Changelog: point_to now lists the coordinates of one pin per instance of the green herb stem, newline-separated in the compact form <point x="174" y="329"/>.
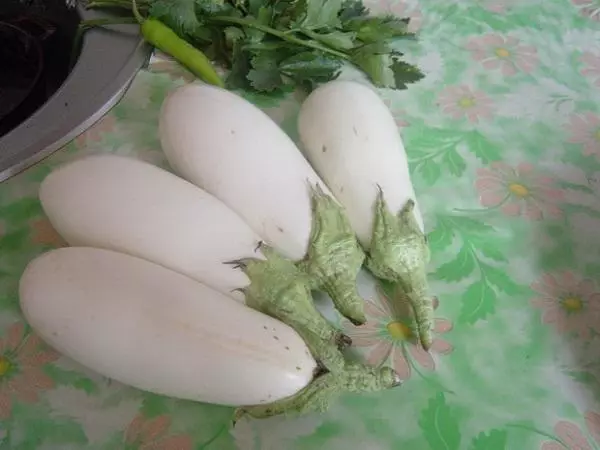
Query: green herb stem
<point x="136" y="12"/>
<point x="91" y="23"/>
<point x="99" y="4"/>
<point x="280" y="34"/>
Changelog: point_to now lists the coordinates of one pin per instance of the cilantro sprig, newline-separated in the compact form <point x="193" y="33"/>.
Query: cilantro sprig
<point x="269" y="44"/>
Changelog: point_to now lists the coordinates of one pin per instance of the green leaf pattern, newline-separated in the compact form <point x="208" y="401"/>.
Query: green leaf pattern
<point x="503" y="143"/>
<point x="440" y="424"/>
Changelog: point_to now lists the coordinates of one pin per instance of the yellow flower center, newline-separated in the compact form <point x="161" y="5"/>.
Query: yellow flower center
<point x="502" y="53"/>
<point x="466" y="102"/>
<point x="572" y="304"/>
<point x="518" y="189"/>
<point x="398" y="330"/>
<point x="4" y="365"/>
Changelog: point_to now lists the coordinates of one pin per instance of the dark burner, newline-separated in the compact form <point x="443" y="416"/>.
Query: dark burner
<point x="36" y="38"/>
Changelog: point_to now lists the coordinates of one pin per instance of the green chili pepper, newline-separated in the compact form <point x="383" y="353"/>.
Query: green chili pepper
<point x="162" y="37"/>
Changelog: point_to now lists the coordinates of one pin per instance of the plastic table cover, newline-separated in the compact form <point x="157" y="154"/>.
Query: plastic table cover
<point x="503" y="139"/>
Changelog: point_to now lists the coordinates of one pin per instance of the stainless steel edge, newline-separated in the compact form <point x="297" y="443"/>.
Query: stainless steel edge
<point x="108" y="62"/>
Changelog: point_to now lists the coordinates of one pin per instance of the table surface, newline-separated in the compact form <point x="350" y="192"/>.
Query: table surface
<point x="503" y="138"/>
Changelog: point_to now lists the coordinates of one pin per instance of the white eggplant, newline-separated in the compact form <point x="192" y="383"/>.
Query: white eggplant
<point x="123" y="204"/>
<point x="230" y="148"/>
<point x="351" y="139"/>
<point x="233" y="150"/>
<point x="160" y="331"/>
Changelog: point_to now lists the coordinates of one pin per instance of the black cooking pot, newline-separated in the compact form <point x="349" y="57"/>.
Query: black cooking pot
<point x="35" y="43"/>
<point x="23" y="62"/>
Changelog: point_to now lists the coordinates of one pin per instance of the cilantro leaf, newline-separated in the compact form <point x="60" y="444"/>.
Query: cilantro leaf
<point x="404" y="73"/>
<point x="254" y="6"/>
<point x="351" y="9"/>
<point x="209" y="6"/>
<point x="265" y="75"/>
<point x="180" y="15"/>
<point x="185" y="16"/>
<point x="375" y="60"/>
<point x="233" y="35"/>
<point x="315" y="14"/>
<point x="338" y="40"/>
<point x="376" y="66"/>
<point x="378" y="29"/>
<point x="310" y="65"/>
<point x="285" y="13"/>
<point x="216" y="47"/>
<point x="268" y="44"/>
<point x="265" y="14"/>
<point x="240" y="66"/>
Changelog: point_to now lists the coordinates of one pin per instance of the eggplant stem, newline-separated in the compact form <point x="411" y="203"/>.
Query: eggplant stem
<point x="399" y="254"/>
<point x="334" y="256"/>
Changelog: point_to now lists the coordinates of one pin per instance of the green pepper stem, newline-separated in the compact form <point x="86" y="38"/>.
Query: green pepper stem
<point x="136" y="12"/>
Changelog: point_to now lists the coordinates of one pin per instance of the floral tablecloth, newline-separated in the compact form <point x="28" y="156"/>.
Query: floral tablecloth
<point x="503" y="138"/>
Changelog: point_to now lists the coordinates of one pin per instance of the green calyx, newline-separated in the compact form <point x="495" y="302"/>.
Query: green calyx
<point x="334" y="257"/>
<point x="279" y="289"/>
<point x="318" y="395"/>
<point x="399" y="253"/>
<point x="282" y="289"/>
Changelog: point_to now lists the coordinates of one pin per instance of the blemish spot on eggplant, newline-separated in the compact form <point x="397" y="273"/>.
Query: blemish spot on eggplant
<point x="287" y="347"/>
<point x="324" y="149"/>
<point x="232" y="131"/>
<point x="298" y="368"/>
<point x="276" y="338"/>
<point x="265" y="327"/>
<point x="280" y="229"/>
<point x="354" y="130"/>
